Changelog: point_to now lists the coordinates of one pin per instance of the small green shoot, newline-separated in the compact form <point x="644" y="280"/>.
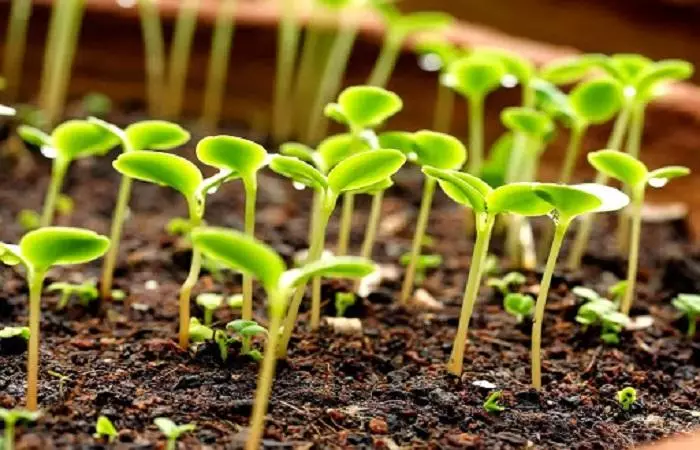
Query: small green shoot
<point x="209" y="303"/>
<point x="626" y="397"/>
<point x="85" y="292"/>
<point x="343" y="301"/>
<point x="172" y="431"/>
<point x="689" y="305"/>
<point x="10" y="417"/>
<point x="617" y="291"/>
<point x="602" y="312"/>
<point x="199" y="332"/>
<point x="424" y="264"/>
<point x="507" y="284"/>
<point x="492" y="403"/>
<point x="519" y="305"/>
<point x="247" y="330"/>
<point x="15" y="332"/>
<point x="104" y="428"/>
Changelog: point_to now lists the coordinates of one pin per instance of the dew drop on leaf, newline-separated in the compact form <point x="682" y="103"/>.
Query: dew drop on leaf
<point x="49" y="152"/>
<point x="658" y="182"/>
<point x="298" y="186"/>
<point x="430" y="62"/>
<point x="509" y="81"/>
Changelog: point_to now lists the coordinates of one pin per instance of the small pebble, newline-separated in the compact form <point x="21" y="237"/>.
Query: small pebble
<point x="378" y="426"/>
<point x="423" y="300"/>
<point x="484" y="384"/>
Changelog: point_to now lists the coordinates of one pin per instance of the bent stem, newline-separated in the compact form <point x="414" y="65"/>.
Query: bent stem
<point x="633" y="262"/>
<point x="572" y="151"/>
<point x="444" y="108"/>
<point x="287" y="40"/>
<point x="154" y="48"/>
<point x="251" y="190"/>
<point x="36" y="282"/>
<point x="559" y="233"/>
<point x="185" y="295"/>
<point x="421" y="225"/>
<point x="115" y="236"/>
<point x="58" y="174"/>
<point x="345" y="224"/>
<point x="481" y="247"/>
<point x="476" y="135"/>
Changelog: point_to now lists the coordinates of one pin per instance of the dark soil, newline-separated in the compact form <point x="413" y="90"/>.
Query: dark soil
<point x="387" y="388"/>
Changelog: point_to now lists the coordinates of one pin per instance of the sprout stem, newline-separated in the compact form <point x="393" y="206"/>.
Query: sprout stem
<point x="559" y="233"/>
<point x="9" y="439"/>
<point x="421" y="225"/>
<point x="287" y="40"/>
<point x="250" y="199"/>
<point x="386" y="61"/>
<point x="572" y="151"/>
<point x="305" y="78"/>
<point x="15" y="44"/>
<point x="692" y="322"/>
<point x="345" y="224"/>
<point x="180" y="56"/>
<point x="481" y="247"/>
<point x="218" y="64"/>
<point x="115" y="236"/>
<point x="633" y="260"/>
<point x="444" y="108"/>
<point x="185" y="294"/>
<point x="476" y="135"/>
<point x="58" y="174"/>
<point x="375" y="214"/>
<point x="633" y="146"/>
<point x="154" y="47"/>
<point x="36" y="282"/>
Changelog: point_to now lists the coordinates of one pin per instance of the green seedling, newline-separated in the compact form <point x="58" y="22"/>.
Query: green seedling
<point x="209" y="303"/>
<point x="602" y="312"/>
<point x="199" y="332"/>
<point x="492" y="403"/>
<point x="626" y="397"/>
<point x="38" y="251"/>
<point x="487" y="203"/>
<point x="247" y="330"/>
<point x="585" y="293"/>
<point x="567" y="203"/>
<point x="571" y="69"/>
<point x="10" y="417"/>
<point x="243" y="253"/>
<point x="436" y="54"/>
<point x="104" y="428"/>
<point x="183" y="176"/>
<point x="96" y="104"/>
<point x="491" y="264"/>
<point x="85" y="292"/>
<point x="635" y="176"/>
<point x="29" y="220"/>
<point x="172" y="431"/>
<point x="146" y="135"/>
<point x="62" y="380"/>
<point x="519" y="70"/>
<point x="425" y="263"/>
<point x="343" y="301"/>
<point x="617" y="291"/>
<point x="71" y="140"/>
<point x="436" y="150"/>
<point x="183" y="37"/>
<point x="287" y="48"/>
<point x="519" y="305"/>
<point x="15" y="332"/>
<point x="154" y="50"/>
<point x="235" y="301"/>
<point x="507" y="284"/>
<point x="238" y="158"/>
<point x="15" y="44"/>
<point x="689" y="305"/>
<point x="354" y="173"/>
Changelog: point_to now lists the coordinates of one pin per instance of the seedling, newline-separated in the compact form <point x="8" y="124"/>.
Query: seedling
<point x="287" y="45"/>
<point x="585" y="293"/>
<point x="243" y="253"/>
<point x="15" y="44"/>
<point x="602" y="312"/>
<point x="104" y="428"/>
<point x="617" y="291"/>
<point x="354" y="173"/>
<point x="237" y="158"/>
<point x="10" y="417"/>
<point x="38" y="251"/>
<point x="509" y="283"/>
<point x="343" y="301"/>
<point x="425" y="263"/>
<point x="519" y="305"/>
<point x="69" y="141"/>
<point x="62" y="380"/>
<point x="492" y="403"/>
<point x="689" y="304"/>
<point x="434" y="150"/>
<point x="172" y="431"/>
<point x="635" y="176"/>
<point x="183" y="37"/>
<point x="571" y="69"/>
<point x="198" y="332"/>
<point x="15" y="332"/>
<point x="487" y="203"/>
<point x="626" y="397"/>
<point x="85" y="292"/>
<point x="567" y="203"/>
<point x="140" y="136"/>
<point x="154" y="49"/>
<point x="435" y="55"/>
<point x="247" y="330"/>
<point x="235" y="301"/>
<point x="209" y="303"/>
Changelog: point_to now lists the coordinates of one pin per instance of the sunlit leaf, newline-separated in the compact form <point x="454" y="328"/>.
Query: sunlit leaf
<point x="34" y="136"/>
<point x="570" y="69"/>
<point x="232" y="153"/>
<point x="79" y="138"/>
<point x="475" y="76"/>
<point x="51" y="246"/>
<point x="439" y="150"/>
<point x="336" y="148"/>
<point x="364" y="169"/>
<point x="596" y="101"/>
<point x="333" y="267"/>
<point x="368" y="106"/>
<point x="156" y="135"/>
<point x="163" y="169"/>
<point x="298" y="170"/>
<point x="528" y="121"/>
<point x="620" y="166"/>
<point x="461" y="187"/>
<point x="517" y="198"/>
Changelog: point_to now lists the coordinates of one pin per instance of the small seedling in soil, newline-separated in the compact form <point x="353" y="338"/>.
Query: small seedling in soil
<point x="15" y="332"/>
<point x="69" y="141"/>
<point x="247" y="330"/>
<point x="209" y="303"/>
<point x="62" y="380"/>
<point x="245" y="254"/>
<point x="104" y="428"/>
<point x="689" y="304"/>
<point x="507" y="284"/>
<point x="343" y="301"/>
<point x="118" y="295"/>
<point x="602" y="312"/>
<point x="424" y="264"/>
<point x="635" y="176"/>
<point x="198" y="332"/>
<point x="38" y="251"/>
<point x="85" y="292"/>
<point x="172" y="431"/>
<point x="585" y="293"/>
<point x="492" y="403"/>
<point x="519" y="305"/>
<point x="10" y="417"/>
<point x="626" y="397"/>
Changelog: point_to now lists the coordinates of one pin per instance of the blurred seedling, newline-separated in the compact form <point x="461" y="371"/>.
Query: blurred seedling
<point x="209" y="303"/>
<point x="172" y="431"/>
<point x="11" y="417"/>
<point x="343" y="301"/>
<point x="423" y="265"/>
<point x="626" y="397"/>
<point x="518" y="305"/>
<point x="15" y="332"/>
<point x="508" y="283"/>
<point x="85" y="293"/>
<point x="492" y="403"/>
<point x="689" y="305"/>
<point x="246" y="331"/>
<point x="105" y="429"/>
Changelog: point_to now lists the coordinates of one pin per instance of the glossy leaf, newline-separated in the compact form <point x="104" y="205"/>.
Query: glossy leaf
<point x="402" y="141"/>
<point x="163" y="169"/>
<point x="568" y="201"/>
<point x="439" y="150"/>
<point x="620" y="166"/>
<point x="156" y="135"/>
<point x="596" y="101"/>
<point x="364" y="169"/>
<point x="662" y="72"/>
<point x="34" y="136"/>
<point x="517" y="198"/>
<point x="661" y="176"/>
<point x="368" y="106"/>
<point x="50" y="246"/>
<point x="232" y="153"/>
<point x="299" y="151"/>
<point x="515" y="65"/>
<point x="527" y="121"/>
<point x="332" y="267"/>
<point x="375" y="188"/>
<point x="570" y="69"/>
<point x="461" y="187"/>
<point x="612" y="199"/>
<point x="237" y="325"/>
<point x="336" y="148"/>
<point x="298" y="171"/>
<point x="475" y="76"/>
<point x="80" y="138"/>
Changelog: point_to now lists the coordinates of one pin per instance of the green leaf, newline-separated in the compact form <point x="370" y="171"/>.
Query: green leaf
<point x="475" y="76"/>
<point x="232" y="153"/>
<point x="554" y="102"/>
<point x="517" y="198"/>
<point x="439" y="150"/>
<point x="402" y="141"/>
<point x="156" y="135"/>
<point x="568" y="201"/>
<point x="11" y="254"/>
<point x="199" y="332"/>
<point x="612" y="199"/>
<point x="597" y="101"/>
<point x="332" y="267"/>
<point x="105" y="427"/>
<point x="515" y="65"/>
<point x="80" y="138"/>
<point x="364" y="169"/>
<point x="298" y="171"/>
<point x="585" y="293"/>
<point x="299" y="151"/>
<point x="51" y="246"/>
<point x="518" y="304"/>
<point x="239" y="324"/>
<point x="368" y="106"/>
<point x="421" y="21"/>
<point x="660" y="72"/>
<point x="527" y="121"/>
<point x="688" y="304"/>
<point x="253" y="330"/>
<point x="570" y="69"/>
<point x="461" y="187"/>
<point x="163" y="169"/>
<point x="375" y="188"/>
<point x="660" y="177"/>
<point x="13" y="332"/>
<point x="34" y="136"/>
<point x="336" y="148"/>
<point x="626" y="67"/>
<point x="620" y="166"/>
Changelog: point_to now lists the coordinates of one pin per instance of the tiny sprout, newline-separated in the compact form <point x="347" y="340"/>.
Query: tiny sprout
<point x="571" y="69"/>
<point x="585" y="293"/>
<point x="626" y="397"/>
<point x="617" y="291"/>
<point x="15" y="332"/>
<point x="519" y="305"/>
<point x="199" y="332"/>
<point x="38" y="251"/>
<point x="343" y="301"/>
<point x="492" y="403"/>
<point x="689" y="304"/>
<point x="603" y="312"/>
<point x="247" y="330"/>
<point x="104" y="428"/>
<point x="235" y="301"/>
<point x="506" y="283"/>
<point x="29" y="220"/>
<point x="96" y="104"/>
<point x="10" y="417"/>
<point x="172" y="431"/>
<point x="62" y="380"/>
<point x="85" y="292"/>
<point x="491" y="264"/>
<point x="425" y="263"/>
<point x="209" y="303"/>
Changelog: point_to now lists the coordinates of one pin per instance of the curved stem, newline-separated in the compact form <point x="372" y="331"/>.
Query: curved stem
<point x="559" y="233"/>
<point x="633" y="260"/>
<point x="476" y="135"/>
<point x="186" y="294"/>
<point x="572" y="151"/>
<point x="444" y="108"/>
<point x="287" y="39"/>
<point x="58" y="174"/>
<point x="481" y="247"/>
<point x="375" y="214"/>
<point x="16" y="40"/>
<point x="36" y="282"/>
<point x="154" y="48"/>
<point x="386" y="61"/>
<point x="180" y="55"/>
<point x="421" y="225"/>
<point x="250" y="200"/>
<point x="345" y="224"/>
<point x="118" y="218"/>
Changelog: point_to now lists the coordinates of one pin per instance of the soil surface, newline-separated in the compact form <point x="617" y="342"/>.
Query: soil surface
<point x="386" y="388"/>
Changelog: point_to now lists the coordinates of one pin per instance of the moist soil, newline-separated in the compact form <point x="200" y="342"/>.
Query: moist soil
<point x="385" y="388"/>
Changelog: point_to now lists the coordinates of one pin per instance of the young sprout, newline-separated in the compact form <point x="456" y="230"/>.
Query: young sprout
<point x="10" y="417"/>
<point x="13" y="332"/>
<point x="602" y="312"/>
<point x="435" y="55"/>
<point x="85" y="292"/>
<point x="492" y="403"/>
<point x="15" y="44"/>
<point x="689" y="304"/>
<point x="287" y="45"/>
<point x="354" y="173"/>
<point x="626" y="397"/>
<point x="238" y="158"/>
<point x="519" y="305"/>
<point x="567" y="203"/>
<point x="38" y="251"/>
<point x="635" y="176"/>
<point x="425" y="263"/>
<point x="172" y="431"/>
<point x="154" y="50"/>
<point x="507" y="283"/>
<point x="104" y="428"/>
<point x="435" y="150"/>
<point x="617" y="291"/>
<point x="487" y="203"/>
<point x="69" y="141"/>
<point x="247" y="330"/>
<point x="209" y="303"/>
<point x="198" y="332"/>
<point x="343" y="301"/>
<point x="141" y="136"/>
<point x="183" y="37"/>
<point x="243" y="253"/>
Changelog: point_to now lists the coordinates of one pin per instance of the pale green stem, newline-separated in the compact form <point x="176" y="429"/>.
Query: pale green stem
<point x="559" y="233"/>
<point x="384" y="66"/>
<point x="345" y="224"/>
<point x="476" y="135"/>
<point x="172" y="444"/>
<point x="115" y="234"/>
<point x="250" y="200"/>
<point x="58" y="174"/>
<point x="180" y="56"/>
<point x="633" y="146"/>
<point x="154" y="48"/>
<point x="421" y="226"/>
<point x="633" y="260"/>
<point x="15" y="44"/>
<point x="287" y="40"/>
<point x="375" y="215"/>
<point x="522" y="167"/>
<point x="484" y="227"/>
<point x="36" y="282"/>
<point x="572" y="151"/>
<point x="59" y="12"/>
<point x="692" y="324"/>
<point x="444" y="108"/>
<point x="218" y="64"/>
<point x="188" y="285"/>
<point x="315" y="211"/>
<point x="9" y="440"/>
<point x="303" y="86"/>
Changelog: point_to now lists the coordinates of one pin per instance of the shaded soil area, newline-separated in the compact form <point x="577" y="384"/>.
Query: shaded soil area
<point x="386" y="388"/>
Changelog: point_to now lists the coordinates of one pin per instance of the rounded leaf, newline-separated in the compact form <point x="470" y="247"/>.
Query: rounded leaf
<point x="34" y="136"/>
<point x="398" y="140"/>
<point x="80" y="138"/>
<point x="626" y="67"/>
<point x="232" y="153"/>
<point x="461" y="187"/>
<point x="517" y="198"/>
<point x="596" y="101"/>
<point x="156" y="135"/>
<point x="662" y="72"/>
<point x="163" y="169"/>
<point x="298" y="170"/>
<point x="50" y="246"/>
<point x="332" y="267"/>
<point x="568" y="201"/>
<point x="439" y="150"/>
<point x="368" y="106"/>
<point x="570" y="69"/>
<point x="365" y="169"/>
<point x="660" y="177"/>
<point x="376" y="188"/>
<point x="336" y="148"/>
<point x="11" y="254"/>
<point x="528" y="121"/>
<point x="612" y="199"/>
<point x="475" y="76"/>
<point x="515" y="65"/>
<point x="621" y="166"/>
<point x="299" y="151"/>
